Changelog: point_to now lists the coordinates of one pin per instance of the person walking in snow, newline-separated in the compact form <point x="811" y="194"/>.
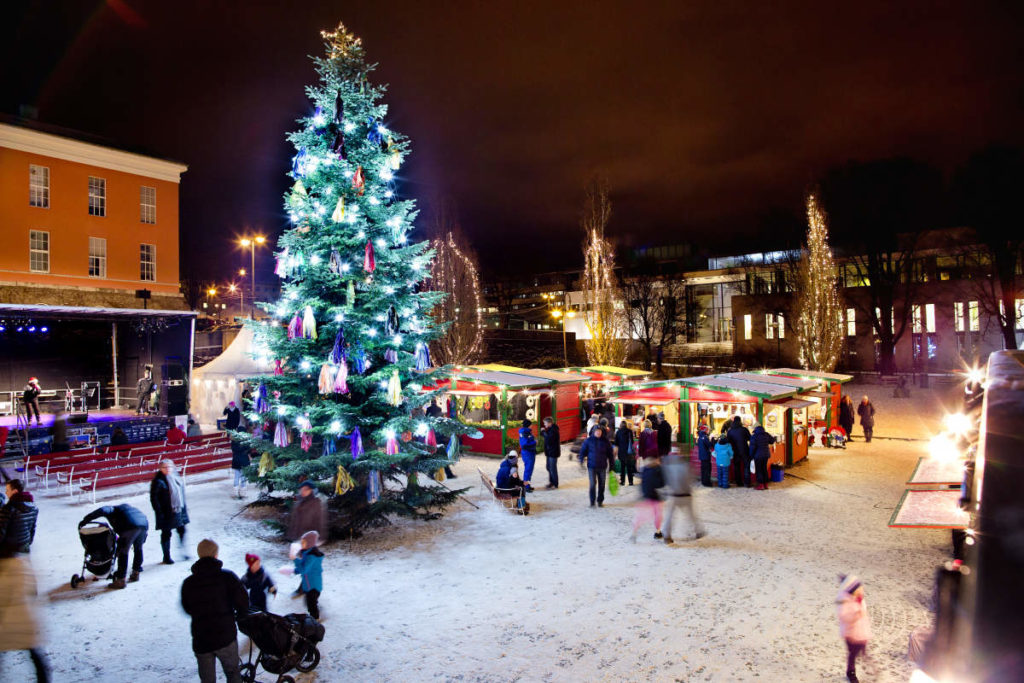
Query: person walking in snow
<point x="664" y="435"/>
<point x="597" y="452"/>
<point x="723" y="457"/>
<point x="676" y="472"/>
<point x="240" y="459"/>
<point x="649" y="505"/>
<point x="846" y="415"/>
<point x="167" y="496"/>
<point x="647" y="442"/>
<point x="214" y="598"/>
<point x="307" y="512"/>
<point x="257" y="583"/>
<point x="854" y="622"/>
<point x="309" y="566"/>
<point x="867" y="417"/>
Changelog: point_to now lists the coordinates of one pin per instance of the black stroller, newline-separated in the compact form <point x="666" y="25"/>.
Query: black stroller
<point x="99" y="541"/>
<point x="284" y="643"/>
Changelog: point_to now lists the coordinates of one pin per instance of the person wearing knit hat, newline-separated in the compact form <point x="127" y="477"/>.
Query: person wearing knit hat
<point x="257" y="582"/>
<point x="528" y="449"/>
<point x="309" y="566"/>
<point x="214" y="597"/>
<point x="854" y="622"/>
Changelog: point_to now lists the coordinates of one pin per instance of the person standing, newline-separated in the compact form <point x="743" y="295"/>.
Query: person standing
<point x="143" y="389"/>
<point x="723" y="457"/>
<point x="760" y="451"/>
<point x="867" y="417"/>
<point x="664" y="435"/>
<point x="552" y="449"/>
<point x="625" y="454"/>
<point x="132" y="527"/>
<point x="309" y="566"/>
<point x="30" y="397"/>
<point x="214" y="597"/>
<point x="167" y="496"/>
<point x="240" y="459"/>
<point x="528" y="451"/>
<point x="599" y="457"/>
<point x="647" y="443"/>
<point x="854" y="622"/>
<point x="676" y="472"/>
<point x="704" y="454"/>
<point x="846" y="415"/>
<point x="233" y="416"/>
<point x="739" y="438"/>
<point x="307" y="513"/>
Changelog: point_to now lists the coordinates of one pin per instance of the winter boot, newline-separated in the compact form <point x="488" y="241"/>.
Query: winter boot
<point x="133" y="577"/>
<point x="118" y="583"/>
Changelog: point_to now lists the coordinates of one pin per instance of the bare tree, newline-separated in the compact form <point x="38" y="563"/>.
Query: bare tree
<point x="652" y="309"/>
<point x="818" y="321"/>
<point x="454" y="272"/>
<point x="604" y="322"/>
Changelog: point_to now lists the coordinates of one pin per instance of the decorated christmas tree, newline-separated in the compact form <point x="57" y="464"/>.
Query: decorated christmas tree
<point x="819" y="326"/>
<point x="345" y="405"/>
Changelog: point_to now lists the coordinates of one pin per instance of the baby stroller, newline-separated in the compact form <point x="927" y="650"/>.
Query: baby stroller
<point x="99" y="541"/>
<point x="285" y="643"/>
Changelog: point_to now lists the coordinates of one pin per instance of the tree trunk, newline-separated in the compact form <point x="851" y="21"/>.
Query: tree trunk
<point x="886" y="357"/>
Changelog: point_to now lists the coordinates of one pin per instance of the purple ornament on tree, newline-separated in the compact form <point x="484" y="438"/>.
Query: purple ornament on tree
<point x="356" y="443"/>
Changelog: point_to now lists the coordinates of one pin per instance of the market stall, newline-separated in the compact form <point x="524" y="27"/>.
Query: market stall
<point x="594" y="391"/>
<point x="828" y="391"/>
<point x="565" y="396"/>
<point x="635" y="405"/>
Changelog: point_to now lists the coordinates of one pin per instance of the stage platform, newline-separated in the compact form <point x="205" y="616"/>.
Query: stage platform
<point x="96" y="430"/>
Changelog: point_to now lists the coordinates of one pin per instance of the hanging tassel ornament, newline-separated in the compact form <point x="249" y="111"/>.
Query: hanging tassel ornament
<point x="281" y="436"/>
<point x="334" y="262"/>
<point x="299" y="164"/>
<point x="453" y="446"/>
<point x="369" y="263"/>
<point x="373" y="487"/>
<point x="395" y="389"/>
<point x="358" y="181"/>
<point x="343" y="482"/>
<point x="391" y="356"/>
<point x="330" y="446"/>
<point x="339" y="211"/>
<point x="308" y="324"/>
<point x="326" y="381"/>
<point x="341" y="379"/>
<point x="281" y="265"/>
<point x="338" y="350"/>
<point x="356" y="444"/>
<point x="267" y="464"/>
<point x="431" y="439"/>
<point x="299" y="189"/>
<point x="391" y="322"/>
<point x="278" y="367"/>
<point x="306" y="441"/>
<point x="422" y="357"/>
<point x="350" y="295"/>
<point x="261" y="405"/>
<point x="295" y="327"/>
<point x="359" y="361"/>
<point x="391" y="447"/>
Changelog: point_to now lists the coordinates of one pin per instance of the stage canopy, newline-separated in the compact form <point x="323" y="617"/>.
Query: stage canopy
<point x="217" y="382"/>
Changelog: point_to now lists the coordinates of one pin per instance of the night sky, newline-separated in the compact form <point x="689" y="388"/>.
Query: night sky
<point x="709" y="119"/>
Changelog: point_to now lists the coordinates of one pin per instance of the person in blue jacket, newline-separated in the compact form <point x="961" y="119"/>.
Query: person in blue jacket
<point x="760" y="450"/>
<point x="528" y="449"/>
<point x="704" y="453"/>
<point x="508" y="477"/>
<point x="723" y="456"/>
<point x="599" y="456"/>
<point x="309" y="566"/>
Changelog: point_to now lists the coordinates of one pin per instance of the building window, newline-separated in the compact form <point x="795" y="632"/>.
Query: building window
<point x="769" y="326"/>
<point x="929" y="318"/>
<point x="1020" y="314"/>
<point x="147" y="262"/>
<point x="97" y="257"/>
<point x="97" y="196"/>
<point x="958" y="316"/>
<point x="782" y="326"/>
<point x="39" y="186"/>
<point x="851" y="322"/>
<point x="147" y="205"/>
<point x="748" y="323"/>
<point x="918" y="322"/>
<point x="972" y="313"/>
<point x="39" y="251"/>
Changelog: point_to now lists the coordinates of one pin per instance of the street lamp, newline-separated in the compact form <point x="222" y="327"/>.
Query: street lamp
<point x="558" y="314"/>
<point x="241" y="295"/>
<point x="250" y="243"/>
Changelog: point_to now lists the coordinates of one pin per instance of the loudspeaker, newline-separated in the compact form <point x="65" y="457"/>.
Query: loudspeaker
<point x="78" y="418"/>
<point x="173" y="399"/>
<point x="172" y="371"/>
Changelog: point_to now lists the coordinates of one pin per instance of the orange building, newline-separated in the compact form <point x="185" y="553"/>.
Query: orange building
<point x="84" y="223"/>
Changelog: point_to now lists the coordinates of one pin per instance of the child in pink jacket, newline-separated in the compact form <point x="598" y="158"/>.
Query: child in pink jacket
<point x="854" y="622"/>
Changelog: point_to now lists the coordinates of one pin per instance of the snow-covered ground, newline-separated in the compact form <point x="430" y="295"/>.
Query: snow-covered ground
<point x="560" y="595"/>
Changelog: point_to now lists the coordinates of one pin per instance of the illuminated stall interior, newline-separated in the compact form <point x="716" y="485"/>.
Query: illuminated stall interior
<point x="827" y="392"/>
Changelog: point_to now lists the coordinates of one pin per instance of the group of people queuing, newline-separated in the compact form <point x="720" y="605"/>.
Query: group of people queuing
<point x="739" y="447"/>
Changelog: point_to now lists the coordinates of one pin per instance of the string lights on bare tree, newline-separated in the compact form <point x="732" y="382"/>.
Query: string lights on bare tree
<point x="454" y="272"/>
<point x="819" y="323"/>
<point x="604" y="321"/>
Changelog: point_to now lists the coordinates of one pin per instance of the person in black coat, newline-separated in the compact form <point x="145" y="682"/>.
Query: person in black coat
<point x="552" y="449"/>
<point x="867" y="417"/>
<point x="664" y="436"/>
<point x="30" y="397"/>
<point x="704" y="447"/>
<point x="240" y="459"/>
<point x="599" y="456"/>
<point x="214" y="597"/>
<point x="760" y="451"/>
<point x="18" y="518"/>
<point x="625" y="452"/>
<point x="739" y="438"/>
<point x="234" y="416"/>
<point x="846" y="417"/>
<point x="167" y="496"/>
<point x="118" y="438"/>
<point x="131" y="526"/>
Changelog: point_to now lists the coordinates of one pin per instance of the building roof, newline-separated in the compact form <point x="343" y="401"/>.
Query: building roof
<point x="727" y="383"/>
<point x="796" y="382"/>
<point x="551" y="375"/>
<point x="85" y="312"/>
<point x="613" y="370"/>
<point x="505" y="379"/>
<point x="794" y="372"/>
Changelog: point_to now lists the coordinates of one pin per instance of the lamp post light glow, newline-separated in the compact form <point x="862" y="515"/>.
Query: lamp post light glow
<point x="250" y="243"/>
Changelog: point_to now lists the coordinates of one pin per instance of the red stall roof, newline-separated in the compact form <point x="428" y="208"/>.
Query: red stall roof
<point x="655" y="396"/>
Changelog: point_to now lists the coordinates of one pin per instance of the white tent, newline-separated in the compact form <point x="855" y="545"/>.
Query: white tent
<point x="217" y="383"/>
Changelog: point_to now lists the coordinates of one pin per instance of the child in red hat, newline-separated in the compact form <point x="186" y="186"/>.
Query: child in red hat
<point x="257" y="582"/>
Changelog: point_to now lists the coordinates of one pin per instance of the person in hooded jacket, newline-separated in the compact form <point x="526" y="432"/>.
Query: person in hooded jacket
<point x="854" y="622"/>
<point x="528" y="450"/>
<point x="704" y="454"/>
<point x="846" y="415"/>
<point x="597" y="452"/>
<point x="309" y="565"/>
<point x="739" y="439"/>
<point x="625" y="453"/>
<point x="131" y="526"/>
<point x="214" y="597"/>
<point x="257" y="582"/>
<point x="760" y="451"/>
<point x="18" y="518"/>
<point x="723" y="457"/>
<point x="167" y="496"/>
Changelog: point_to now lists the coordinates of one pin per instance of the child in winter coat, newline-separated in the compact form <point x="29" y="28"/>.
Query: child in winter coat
<point x="854" y="623"/>
<point x="723" y="456"/>
<point x="309" y="565"/>
<point x="649" y="505"/>
<point x="257" y="583"/>
<point x="704" y="452"/>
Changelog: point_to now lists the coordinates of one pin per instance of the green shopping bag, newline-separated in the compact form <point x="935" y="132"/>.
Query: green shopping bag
<point x="617" y="466"/>
<point x="613" y="484"/>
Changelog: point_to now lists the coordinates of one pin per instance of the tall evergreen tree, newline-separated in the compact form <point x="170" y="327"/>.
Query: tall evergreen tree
<point x="345" y="407"/>
<point x="819" y="331"/>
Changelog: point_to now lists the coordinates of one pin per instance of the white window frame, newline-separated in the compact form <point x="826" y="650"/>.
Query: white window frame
<point x="918" y="319"/>
<point x="97" y="196"/>
<point x="143" y="262"/>
<point x="959" y="317"/>
<point x="851" y="322"/>
<point x="748" y="324"/>
<point x="98" y="257"/>
<point x="769" y="326"/>
<point x="780" y="320"/>
<point x="147" y="209"/>
<point x="973" y="316"/>
<point x="929" y="318"/>
<point x="39" y="186"/>
<point x="37" y="253"/>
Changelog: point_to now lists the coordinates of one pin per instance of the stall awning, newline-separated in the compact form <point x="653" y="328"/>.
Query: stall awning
<point x="647" y="397"/>
<point x="506" y="379"/>
<point x="930" y="509"/>
<point x="811" y="374"/>
<point x="734" y="384"/>
<point x="794" y="382"/>
<point x="792" y="403"/>
<point x="817" y="394"/>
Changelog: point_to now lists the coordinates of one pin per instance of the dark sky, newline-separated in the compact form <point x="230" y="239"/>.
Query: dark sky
<point x="705" y="117"/>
